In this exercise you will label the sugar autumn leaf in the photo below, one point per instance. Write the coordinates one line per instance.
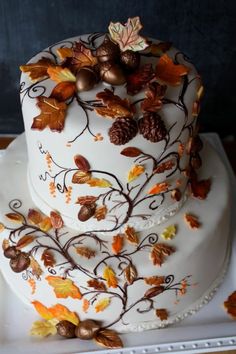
(230, 305)
(52, 114)
(32, 284)
(131, 152)
(131, 235)
(200, 189)
(100, 212)
(63, 91)
(117, 244)
(170, 73)
(130, 274)
(165, 166)
(24, 241)
(192, 221)
(35, 267)
(16, 218)
(37, 71)
(81, 177)
(56, 220)
(110, 276)
(48, 258)
(108, 338)
(162, 314)
(42, 310)
(5, 244)
(102, 304)
(60, 74)
(114, 106)
(135, 172)
(2, 227)
(87, 199)
(159, 252)
(153, 97)
(82, 57)
(45, 225)
(34, 217)
(85, 305)
(43, 328)
(85, 252)
(96, 284)
(82, 163)
(99, 182)
(159, 188)
(61, 313)
(63, 288)
(64, 52)
(139, 79)
(169, 232)
(155, 280)
(127, 35)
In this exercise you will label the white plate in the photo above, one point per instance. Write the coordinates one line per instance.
(211, 329)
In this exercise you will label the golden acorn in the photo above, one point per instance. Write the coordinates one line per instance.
(112, 73)
(86, 78)
(86, 329)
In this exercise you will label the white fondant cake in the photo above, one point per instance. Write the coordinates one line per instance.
(115, 164)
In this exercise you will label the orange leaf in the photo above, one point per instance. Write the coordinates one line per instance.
(64, 52)
(159, 188)
(96, 284)
(100, 212)
(63, 91)
(85, 252)
(135, 172)
(86, 305)
(102, 304)
(37, 71)
(117, 244)
(114, 106)
(16, 218)
(24, 241)
(162, 314)
(62, 313)
(60, 74)
(56, 220)
(154, 95)
(154, 280)
(87, 199)
(52, 114)
(110, 276)
(168, 72)
(99, 182)
(159, 252)
(108, 338)
(81, 57)
(192, 221)
(48, 258)
(230, 305)
(63, 288)
(32, 284)
(131, 235)
(165, 166)
(34, 216)
(42, 310)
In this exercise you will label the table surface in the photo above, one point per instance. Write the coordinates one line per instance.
(230, 149)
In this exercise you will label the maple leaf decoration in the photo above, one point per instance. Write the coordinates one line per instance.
(126, 36)
(82, 57)
(52, 114)
(37, 71)
(159, 252)
(200, 189)
(168, 72)
(192, 221)
(154, 95)
(139, 79)
(43, 328)
(64, 288)
(230, 305)
(114, 106)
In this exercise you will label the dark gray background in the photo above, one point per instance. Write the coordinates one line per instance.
(204, 29)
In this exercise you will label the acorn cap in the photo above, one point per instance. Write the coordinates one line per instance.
(86, 78)
(130, 60)
(107, 51)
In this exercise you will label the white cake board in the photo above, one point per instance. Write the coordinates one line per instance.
(211, 329)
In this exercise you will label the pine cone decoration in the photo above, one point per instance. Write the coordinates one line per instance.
(152, 127)
(123, 130)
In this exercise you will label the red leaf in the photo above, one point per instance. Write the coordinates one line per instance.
(200, 189)
(165, 166)
(24, 241)
(138, 80)
(82, 163)
(131, 152)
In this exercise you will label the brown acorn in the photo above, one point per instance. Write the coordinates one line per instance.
(11, 252)
(20, 263)
(86, 212)
(86, 78)
(130, 60)
(107, 51)
(112, 73)
(66, 329)
(86, 329)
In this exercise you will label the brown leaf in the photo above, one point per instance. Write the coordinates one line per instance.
(108, 338)
(100, 212)
(35, 217)
(52, 114)
(81, 177)
(25, 241)
(85, 252)
(63, 91)
(37, 71)
(230, 305)
(56, 220)
(114, 106)
(162, 314)
(5, 244)
(139, 79)
(117, 244)
(131, 152)
(154, 95)
(165, 166)
(130, 274)
(36, 269)
(16, 218)
(96, 284)
(154, 280)
(87, 199)
(152, 292)
(200, 189)
(192, 221)
(48, 258)
(82, 57)
(168, 72)
(159, 252)
(131, 235)
(82, 163)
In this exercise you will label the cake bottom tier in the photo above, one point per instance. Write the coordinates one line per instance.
(132, 282)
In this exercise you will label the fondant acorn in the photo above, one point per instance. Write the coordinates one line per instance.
(86, 329)
(66, 329)
(112, 73)
(86, 212)
(11, 252)
(20, 263)
(86, 78)
(130, 60)
(107, 51)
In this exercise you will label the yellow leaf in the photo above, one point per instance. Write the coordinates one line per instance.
(64, 53)
(64, 288)
(110, 277)
(46, 224)
(42, 310)
(102, 304)
(135, 172)
(60, 74)
(62, 313)
(2, 227)
(99, 182)
(43, 328)
(169, 232)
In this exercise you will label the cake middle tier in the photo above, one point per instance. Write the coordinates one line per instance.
(90, 173)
